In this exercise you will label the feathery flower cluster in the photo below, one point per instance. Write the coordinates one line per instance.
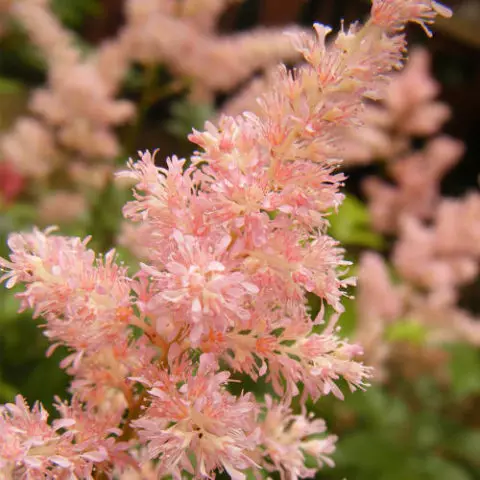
(233, 241)
(31, 448)
(408, 108)
(183, 36)
(72, 118)
(75, 116)
(436, 246)
(78, 105)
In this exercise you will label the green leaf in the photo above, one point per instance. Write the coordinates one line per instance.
(466, 445)
(7, 392)
(9, 306)
(369, 451)
(19, 216)
(10, 87)
(351, 226)
(406, 331)
(186, 115)
(436, 468)
(465, 370)
(74, 12)
(13, 98)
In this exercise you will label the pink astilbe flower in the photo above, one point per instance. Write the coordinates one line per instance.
(85, 301)
(408, 107)
(289, 354)
(396, 14)
(73, 117)
(184, 38)
(417, 190)
(431, 270)
(164, 201)
(379, 304)
(29, 139)
(200, 417)
(445, 321)
(72, 445)
(46, 32)
(286, 439)
(103, 378)
(201, 289)
(231, 246)
(457, 225)
(79, 100)
(418, 260)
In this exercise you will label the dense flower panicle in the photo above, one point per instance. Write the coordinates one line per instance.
(408, 107)
(27, 140)
(232, 243)
(289, 354)
(286, 439)
(395, 14)
(79, 99)
(200, 417)
(417, 259)
(68, 448)
(183, 37)
(81, 298)
(103, 378)
(204, 292)
(164, 201)
(417, 177)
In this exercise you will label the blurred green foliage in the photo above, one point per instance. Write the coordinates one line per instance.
(351, 226)
(415, 431)
(186, 115)
(73, 13)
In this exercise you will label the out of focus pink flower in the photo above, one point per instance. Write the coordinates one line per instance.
(30, 147)
(457, 226)
(407, 107)
(417, 259)
(61, 207)
(417, 188)
(379, 304)
(184, 38)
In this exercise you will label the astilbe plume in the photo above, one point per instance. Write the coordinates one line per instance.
(72, 122)
(78, 105)
(232, 242)
(183, 36)
(70, 126)
(435, 239)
